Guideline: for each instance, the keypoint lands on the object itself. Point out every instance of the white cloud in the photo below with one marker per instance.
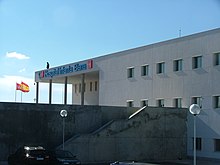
(9, 93)
(22, 70)
(8, 89)
(16, 55)
(11, 80)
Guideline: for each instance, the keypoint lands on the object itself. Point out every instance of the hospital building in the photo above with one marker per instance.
(173, 73)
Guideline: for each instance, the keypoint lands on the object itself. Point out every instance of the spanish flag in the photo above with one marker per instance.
(18, 86)
(22, 87)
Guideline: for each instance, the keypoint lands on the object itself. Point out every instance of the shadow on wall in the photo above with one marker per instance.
(203, 127)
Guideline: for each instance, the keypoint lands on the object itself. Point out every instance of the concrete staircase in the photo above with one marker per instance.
(147, 134)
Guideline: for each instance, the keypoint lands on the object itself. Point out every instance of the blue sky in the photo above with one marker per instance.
(66, 31)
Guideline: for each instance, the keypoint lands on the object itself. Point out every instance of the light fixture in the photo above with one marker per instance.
(63, 114)
(195, 110)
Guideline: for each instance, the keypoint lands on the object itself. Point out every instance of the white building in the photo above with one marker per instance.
(174, 73)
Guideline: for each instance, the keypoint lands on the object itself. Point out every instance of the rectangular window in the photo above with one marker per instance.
(178, 102)
(130, 103)
(216, 58)
(217, 145)
(90, 86)
(197, 62)
(145, 70)
(80, 88)
(198, 143)
(178, 65)
(216, 101)
(197, 100)
(160, 67)
(130, 72)
(144, 103)
(75, 88)
(160, 102)
(96, 85)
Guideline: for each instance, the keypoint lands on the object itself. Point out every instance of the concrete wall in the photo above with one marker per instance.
(152, 134)
(41, 124)
(95, 133)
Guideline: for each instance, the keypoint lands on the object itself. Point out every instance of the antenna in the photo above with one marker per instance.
(180, 32)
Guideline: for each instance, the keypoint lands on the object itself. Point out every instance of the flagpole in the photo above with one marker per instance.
(16, 91)
(21, 96)
(15, 94)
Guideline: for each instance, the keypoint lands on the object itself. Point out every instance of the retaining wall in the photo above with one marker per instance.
(41, 124)
(152, 134)
(96, 133)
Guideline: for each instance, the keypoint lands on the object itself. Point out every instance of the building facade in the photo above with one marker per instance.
(173, 73)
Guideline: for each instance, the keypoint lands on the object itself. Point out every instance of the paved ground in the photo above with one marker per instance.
(190, 162)
(181, 162)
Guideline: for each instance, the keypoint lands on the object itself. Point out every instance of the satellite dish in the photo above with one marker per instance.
(63, 113)
(194, 109)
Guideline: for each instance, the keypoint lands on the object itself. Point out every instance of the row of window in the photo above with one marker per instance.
(177, 65)
(177, 102)
(92, 86)
(199, 144)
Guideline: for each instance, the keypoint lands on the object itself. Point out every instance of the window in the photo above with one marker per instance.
(75, 88)
(160, 103)
(216, 101)
(130, 103)
(198, 143)
(130, 72)
(96, 85)
(80, 88)
(90, 86)
(145, 70)
(197, 62)
(144, 103)
(178, 65)
(217, 145)
(178, 102)
(197, 100)
(161, 67)
(216, 58)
